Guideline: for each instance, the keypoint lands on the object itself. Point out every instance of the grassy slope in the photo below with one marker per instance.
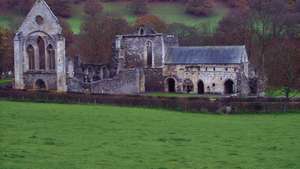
(59, 136)
(169, 12)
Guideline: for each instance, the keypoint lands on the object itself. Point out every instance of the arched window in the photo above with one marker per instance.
(229, 87)
(41, 46)
(188, 86)
(51, 57)
(149, 54)
(105, 73)
(30, 54)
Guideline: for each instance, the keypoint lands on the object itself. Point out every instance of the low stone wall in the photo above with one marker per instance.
(125, 82)
(194, 104)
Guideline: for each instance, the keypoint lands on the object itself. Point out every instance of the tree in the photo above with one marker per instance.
(92, 7)
(287, 60)
(238, 4)
(96, 38)
(199, 7)
(298, 6)
(70, 38)
(233, 29)
(21, 7)
(188, 36)
(6, 51)
(60, 7)
(151, 21)
(138, 7)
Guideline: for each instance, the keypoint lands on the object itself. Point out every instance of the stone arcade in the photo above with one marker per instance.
(145, 61)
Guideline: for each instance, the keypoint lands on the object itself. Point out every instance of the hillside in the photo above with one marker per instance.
(168, 12)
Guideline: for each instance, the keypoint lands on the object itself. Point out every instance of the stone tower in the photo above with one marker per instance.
(39, 51)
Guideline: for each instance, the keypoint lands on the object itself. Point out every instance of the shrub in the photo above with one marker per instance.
(138, 7)
(200, 7)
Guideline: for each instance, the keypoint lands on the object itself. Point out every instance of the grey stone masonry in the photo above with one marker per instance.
(39, 51)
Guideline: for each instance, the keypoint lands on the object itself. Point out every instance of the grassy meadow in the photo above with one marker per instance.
(168, 12)
(56, 136)
(5, 81)
(280, 93)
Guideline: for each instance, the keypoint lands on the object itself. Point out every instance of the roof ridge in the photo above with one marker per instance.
(227, 46)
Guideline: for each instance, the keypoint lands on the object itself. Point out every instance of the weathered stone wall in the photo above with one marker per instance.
(40, 24)
(213, 76)
(154, 80)
(186, 104)
(126, 82)
(49, 78)
(133, 50)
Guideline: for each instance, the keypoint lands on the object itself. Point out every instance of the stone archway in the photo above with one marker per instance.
(40, 85)
(229, 86)
(171, 83)
(200, 87)
(188, 86)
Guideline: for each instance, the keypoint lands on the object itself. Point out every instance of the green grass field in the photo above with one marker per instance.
(168, 12)
(56, 136)
(5, 81)
(280, 93)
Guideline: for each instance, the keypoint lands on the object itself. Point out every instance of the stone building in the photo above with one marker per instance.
(209, 69)
(145, 61)
(39, 51)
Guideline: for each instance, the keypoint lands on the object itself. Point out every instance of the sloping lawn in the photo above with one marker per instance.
(56, 136)
(170, 13)
(4, 21)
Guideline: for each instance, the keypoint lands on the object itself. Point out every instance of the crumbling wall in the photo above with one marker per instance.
(126, 82)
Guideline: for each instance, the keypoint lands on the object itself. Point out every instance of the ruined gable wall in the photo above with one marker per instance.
(134, 50)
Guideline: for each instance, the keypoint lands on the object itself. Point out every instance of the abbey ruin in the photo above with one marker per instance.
(145, 61)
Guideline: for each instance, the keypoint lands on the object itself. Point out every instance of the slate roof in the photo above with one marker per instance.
(207, 55)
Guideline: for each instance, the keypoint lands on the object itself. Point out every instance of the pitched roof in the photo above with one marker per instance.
(207, 55)
(40, 8)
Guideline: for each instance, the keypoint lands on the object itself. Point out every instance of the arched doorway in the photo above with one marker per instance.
(188, 86)
(229, 87)
(200, 87)
(171, 85)
(40, 85)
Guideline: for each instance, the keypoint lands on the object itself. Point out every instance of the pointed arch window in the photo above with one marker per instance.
(41, 46)
(149, 54)
(51, 57)
(30, 54)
